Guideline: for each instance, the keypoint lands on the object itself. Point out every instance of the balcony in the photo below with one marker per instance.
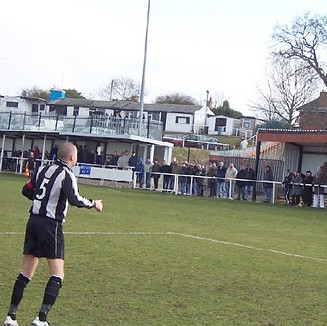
(95, 124)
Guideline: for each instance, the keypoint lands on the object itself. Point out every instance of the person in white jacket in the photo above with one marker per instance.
(230, 176)
(318, 191)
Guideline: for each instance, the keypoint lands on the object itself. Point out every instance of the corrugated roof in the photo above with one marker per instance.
(126, 105)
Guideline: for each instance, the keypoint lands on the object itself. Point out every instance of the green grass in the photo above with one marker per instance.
(160, 259)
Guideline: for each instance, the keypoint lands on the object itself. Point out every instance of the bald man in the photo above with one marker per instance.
(51, 190)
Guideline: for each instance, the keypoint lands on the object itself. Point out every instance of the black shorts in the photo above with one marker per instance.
(44, 238)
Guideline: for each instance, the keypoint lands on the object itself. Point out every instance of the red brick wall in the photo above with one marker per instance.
(313, 120)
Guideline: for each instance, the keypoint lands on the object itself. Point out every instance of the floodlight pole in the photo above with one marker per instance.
(143, 74)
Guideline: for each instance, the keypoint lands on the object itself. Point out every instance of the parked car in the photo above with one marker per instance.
(201, 141)
(174, 139)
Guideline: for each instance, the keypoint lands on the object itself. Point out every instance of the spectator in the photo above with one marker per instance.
(287, 183)
(123, 160)
(114, 159)
(249, 182)
(221, 171)
(175, 170)
(99, 154)
(307, 189)
(268, 186)
(296, 191)
(36, 152)
(189, 171)
(147, 170)
(132, 161)
(31, 165)
(240, 184)
(230, 176)
(156, 173)
(182, 179)
(53, 152)
(212, 182)
(200, 171)
(166, 170)
(318, 191)
(139, 170)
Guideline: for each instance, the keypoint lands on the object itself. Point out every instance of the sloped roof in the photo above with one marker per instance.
(126, 105)
(319, 104)
(299, 136)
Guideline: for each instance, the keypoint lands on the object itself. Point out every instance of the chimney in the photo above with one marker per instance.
(209, 103)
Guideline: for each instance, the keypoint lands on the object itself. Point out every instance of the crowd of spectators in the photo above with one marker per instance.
(190, 178)
(195, 178)
(306, 189)
(232, 183)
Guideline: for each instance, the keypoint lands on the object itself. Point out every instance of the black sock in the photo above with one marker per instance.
(17, 294)
(50, 295)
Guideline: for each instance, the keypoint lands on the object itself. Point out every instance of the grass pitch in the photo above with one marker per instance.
(160, 259)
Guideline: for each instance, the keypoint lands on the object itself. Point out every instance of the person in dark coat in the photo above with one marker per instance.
(249, 175)
(240, 184)
(287, 183)
(212, 181)
(221, 171)
(166, 171)
(200, 171)
(307, 189)
(189, 170)
(156, 173)
(132, 161)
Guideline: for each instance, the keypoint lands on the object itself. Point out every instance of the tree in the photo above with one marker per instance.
(289, 85)
(305, 40)
(120, 88)
(73, 93)
(175, 98)
(225, 110)
(35, 91)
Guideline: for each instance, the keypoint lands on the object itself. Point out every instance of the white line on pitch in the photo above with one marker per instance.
(186, 236)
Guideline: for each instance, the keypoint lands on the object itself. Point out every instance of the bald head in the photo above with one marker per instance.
(67, 152)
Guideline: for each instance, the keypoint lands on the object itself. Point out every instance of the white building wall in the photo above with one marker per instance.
(229, 128)
(172, 126)
(200, 119)
(24, 105)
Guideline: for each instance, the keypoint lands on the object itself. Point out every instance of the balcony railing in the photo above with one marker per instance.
(96, 124)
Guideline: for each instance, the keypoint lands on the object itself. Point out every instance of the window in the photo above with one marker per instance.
(220, 124)
(247, 123)
(42, 107)
(12, 104)
(35, 108)
(182, 120)
(62, 110)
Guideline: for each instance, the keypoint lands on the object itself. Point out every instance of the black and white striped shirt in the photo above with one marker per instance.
(55, 187)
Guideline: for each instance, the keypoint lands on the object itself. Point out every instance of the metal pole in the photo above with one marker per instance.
(43, 149)
(143, 74)
(2, 150)
(111, 88)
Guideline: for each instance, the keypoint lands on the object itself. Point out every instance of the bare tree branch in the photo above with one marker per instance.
(120, 88)
(305, 40)
(289, 85)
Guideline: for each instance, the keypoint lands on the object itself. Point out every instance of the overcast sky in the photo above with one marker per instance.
(193, 45)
